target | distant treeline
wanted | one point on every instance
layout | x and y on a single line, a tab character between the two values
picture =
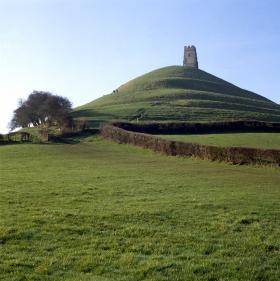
199	128
236	155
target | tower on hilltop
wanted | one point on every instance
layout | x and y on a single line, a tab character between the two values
190	56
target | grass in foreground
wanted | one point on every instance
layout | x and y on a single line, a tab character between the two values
256	140
102	211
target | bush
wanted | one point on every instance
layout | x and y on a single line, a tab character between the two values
193	128
236	155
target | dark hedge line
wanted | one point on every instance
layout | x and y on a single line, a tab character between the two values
44	136
197	128
15	137
236	155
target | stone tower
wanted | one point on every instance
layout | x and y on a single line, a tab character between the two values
190	56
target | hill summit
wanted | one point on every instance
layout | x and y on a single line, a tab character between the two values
179	93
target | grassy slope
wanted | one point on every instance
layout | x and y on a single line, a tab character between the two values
179	93
102	211
258	140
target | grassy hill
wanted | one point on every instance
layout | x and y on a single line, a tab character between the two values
96	210
179	93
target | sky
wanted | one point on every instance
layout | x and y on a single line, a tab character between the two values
84	49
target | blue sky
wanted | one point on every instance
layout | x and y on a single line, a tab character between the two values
84	49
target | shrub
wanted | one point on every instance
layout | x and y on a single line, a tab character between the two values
236	155
192	127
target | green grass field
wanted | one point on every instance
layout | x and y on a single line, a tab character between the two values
96	210
256	140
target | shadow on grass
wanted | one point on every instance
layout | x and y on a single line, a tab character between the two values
91	113
73	137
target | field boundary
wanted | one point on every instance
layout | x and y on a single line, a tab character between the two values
199	127
235	155
43	136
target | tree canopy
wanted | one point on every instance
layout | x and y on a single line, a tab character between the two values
42	108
